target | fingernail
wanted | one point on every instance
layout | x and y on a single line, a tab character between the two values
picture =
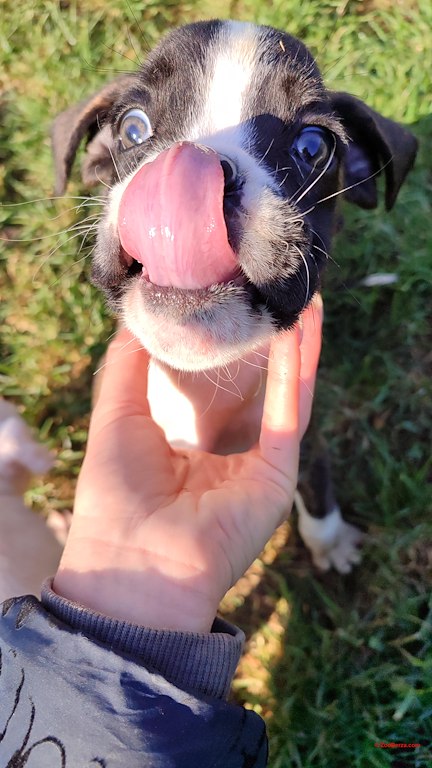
300	329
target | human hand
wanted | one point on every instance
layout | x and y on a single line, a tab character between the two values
159	535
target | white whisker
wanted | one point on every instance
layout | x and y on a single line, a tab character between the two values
307	274
253	365
105	364
346	189
219	386
320	175
51	254
73	228
114	163
261	160
260	354
213	397
101	181
67	271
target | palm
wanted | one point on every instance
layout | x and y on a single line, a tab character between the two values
208	515
162	534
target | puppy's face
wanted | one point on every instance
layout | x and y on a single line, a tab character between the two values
214	233
228	154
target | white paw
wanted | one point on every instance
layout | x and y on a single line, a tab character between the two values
340	553
332	541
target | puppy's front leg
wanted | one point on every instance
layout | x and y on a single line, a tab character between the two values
333	543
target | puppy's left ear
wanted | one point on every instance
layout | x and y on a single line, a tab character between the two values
83	121
376	145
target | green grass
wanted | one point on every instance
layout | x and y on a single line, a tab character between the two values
334	663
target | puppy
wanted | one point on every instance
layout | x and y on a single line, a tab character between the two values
28	548
225	156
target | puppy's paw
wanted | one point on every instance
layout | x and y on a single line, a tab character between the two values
341	553
331	541
19	448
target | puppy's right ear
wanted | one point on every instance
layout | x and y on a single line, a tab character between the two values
85	119
376	145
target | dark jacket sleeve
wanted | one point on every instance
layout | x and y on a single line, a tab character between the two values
91	691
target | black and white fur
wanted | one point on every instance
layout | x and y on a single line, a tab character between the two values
289	146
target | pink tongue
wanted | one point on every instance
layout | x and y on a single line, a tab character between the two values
171	219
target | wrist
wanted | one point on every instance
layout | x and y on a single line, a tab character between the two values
125	585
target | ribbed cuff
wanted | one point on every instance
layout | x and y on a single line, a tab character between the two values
204	663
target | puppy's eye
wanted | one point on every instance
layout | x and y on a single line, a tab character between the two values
135	128
314	146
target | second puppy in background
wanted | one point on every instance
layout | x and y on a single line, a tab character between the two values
225	155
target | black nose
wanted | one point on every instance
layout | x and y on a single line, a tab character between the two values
230	174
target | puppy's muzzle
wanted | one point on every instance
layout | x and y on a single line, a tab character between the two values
173	216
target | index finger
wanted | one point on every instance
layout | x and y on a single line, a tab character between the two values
293	362
279	439
311	323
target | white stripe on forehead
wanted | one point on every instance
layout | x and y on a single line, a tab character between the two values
231	66
234	65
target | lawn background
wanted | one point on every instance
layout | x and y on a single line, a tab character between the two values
333	663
